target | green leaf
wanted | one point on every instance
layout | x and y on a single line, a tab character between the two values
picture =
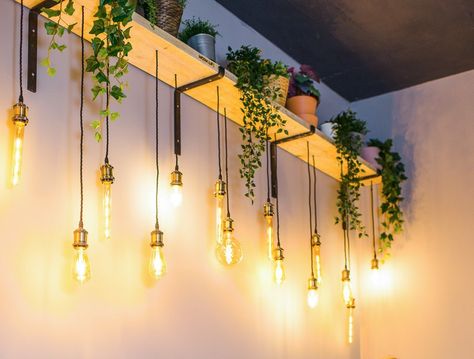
98	27
50	12
60	31
95	124
51	27
114	116
98	136
45	62
51	71
69	9
71	27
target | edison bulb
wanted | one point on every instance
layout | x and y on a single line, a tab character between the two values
313	297
279	271
176	195
347	291
350	324
17	151
107	203
317	263
81	268
157	265
219	196
229	251
269	236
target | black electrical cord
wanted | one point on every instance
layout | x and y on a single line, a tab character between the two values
156	140
268	156
176	166
20	98
226	163
373	220
310	212
81	110
315	199
107	103
218	134
277	201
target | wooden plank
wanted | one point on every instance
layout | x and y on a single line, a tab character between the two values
178	58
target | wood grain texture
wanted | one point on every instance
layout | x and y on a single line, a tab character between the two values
175	57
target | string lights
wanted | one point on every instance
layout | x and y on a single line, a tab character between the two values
278	267
229	252
81	266
268	211
20	116
176	177
157	265
220	186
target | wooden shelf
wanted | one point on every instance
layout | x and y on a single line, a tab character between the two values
178	58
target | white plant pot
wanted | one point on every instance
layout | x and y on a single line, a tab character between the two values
328	129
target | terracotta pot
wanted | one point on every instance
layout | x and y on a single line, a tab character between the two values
328	129
302	104
309	118
282	84
370	154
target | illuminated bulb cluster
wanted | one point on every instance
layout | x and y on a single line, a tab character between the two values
157	265
107	178
219	194
229	251
176	196
268	213
20	120
81	267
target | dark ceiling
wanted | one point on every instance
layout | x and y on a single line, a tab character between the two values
364	48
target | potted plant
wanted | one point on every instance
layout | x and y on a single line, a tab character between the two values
201	36
370	154
303	97
279	81
348	140
260	117
166	14
393	174
328	129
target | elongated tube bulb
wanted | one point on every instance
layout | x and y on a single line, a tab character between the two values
81	267
157	265
176	195
313	298
346	287
219	193
107	202
269	236
317	263
350	325
17	152
279	271
229	251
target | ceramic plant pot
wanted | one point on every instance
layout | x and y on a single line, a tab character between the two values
328	129
204	44
370	154
282	84
311	119
302	104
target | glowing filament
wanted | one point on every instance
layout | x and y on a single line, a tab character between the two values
107	208
350	324
157	266
269	236
278	271
219	205
317	262
347	292
81	268
229	251
17	152
313	298
176	195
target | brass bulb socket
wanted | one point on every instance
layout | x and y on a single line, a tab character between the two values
268	209
20	113
374	264
312	283
220	188
228	225
278	254
346	275
107	173
80	238
316	239
351	304
156	238
176	178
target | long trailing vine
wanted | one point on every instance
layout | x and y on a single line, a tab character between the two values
259	114
348	132
393	174
55	27
108	62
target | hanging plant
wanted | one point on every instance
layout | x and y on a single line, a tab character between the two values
348	138
393	174
110	46
56	28
259	115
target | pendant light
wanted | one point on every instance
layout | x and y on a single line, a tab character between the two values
316	238
313	295
220	186
229	251
157	265
176	177
20	116
375	262
81	267
268	210
278	267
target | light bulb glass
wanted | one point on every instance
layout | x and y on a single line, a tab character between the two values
17	151
176	195
81	267
313	297
219	220
317	263
107	203
350	325
278	271
269	236
229	251
157	265
347	291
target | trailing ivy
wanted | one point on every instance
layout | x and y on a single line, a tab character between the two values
111	46
393	174
55	27
348	138
259	114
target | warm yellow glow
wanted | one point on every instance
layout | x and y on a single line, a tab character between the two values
107	208
219	220
81	268
176	195
350	325
157	265
278	271
17	152
313	297
269	236
229	251
347	291
317	263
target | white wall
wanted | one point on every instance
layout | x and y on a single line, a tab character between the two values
426	309
199	310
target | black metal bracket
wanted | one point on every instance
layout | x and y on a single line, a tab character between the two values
365	178
274	158
33	41
177	104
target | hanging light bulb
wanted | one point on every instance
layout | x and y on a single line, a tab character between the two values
278	267
346	287
81	267
107	178
176	188
268	214
219	193
157	266
317	256
313	295
229	251
20	120
350	320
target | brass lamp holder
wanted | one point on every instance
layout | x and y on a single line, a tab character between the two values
374	263
351	304
268	209
312	283
346	275
315	239
220	188
228	225
278	254
107	173
80	238
20	113
176	178
156	238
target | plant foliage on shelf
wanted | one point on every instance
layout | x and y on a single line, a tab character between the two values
111	46
259	115
393	174
55	27
196	26
348	138
151	10
302	82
